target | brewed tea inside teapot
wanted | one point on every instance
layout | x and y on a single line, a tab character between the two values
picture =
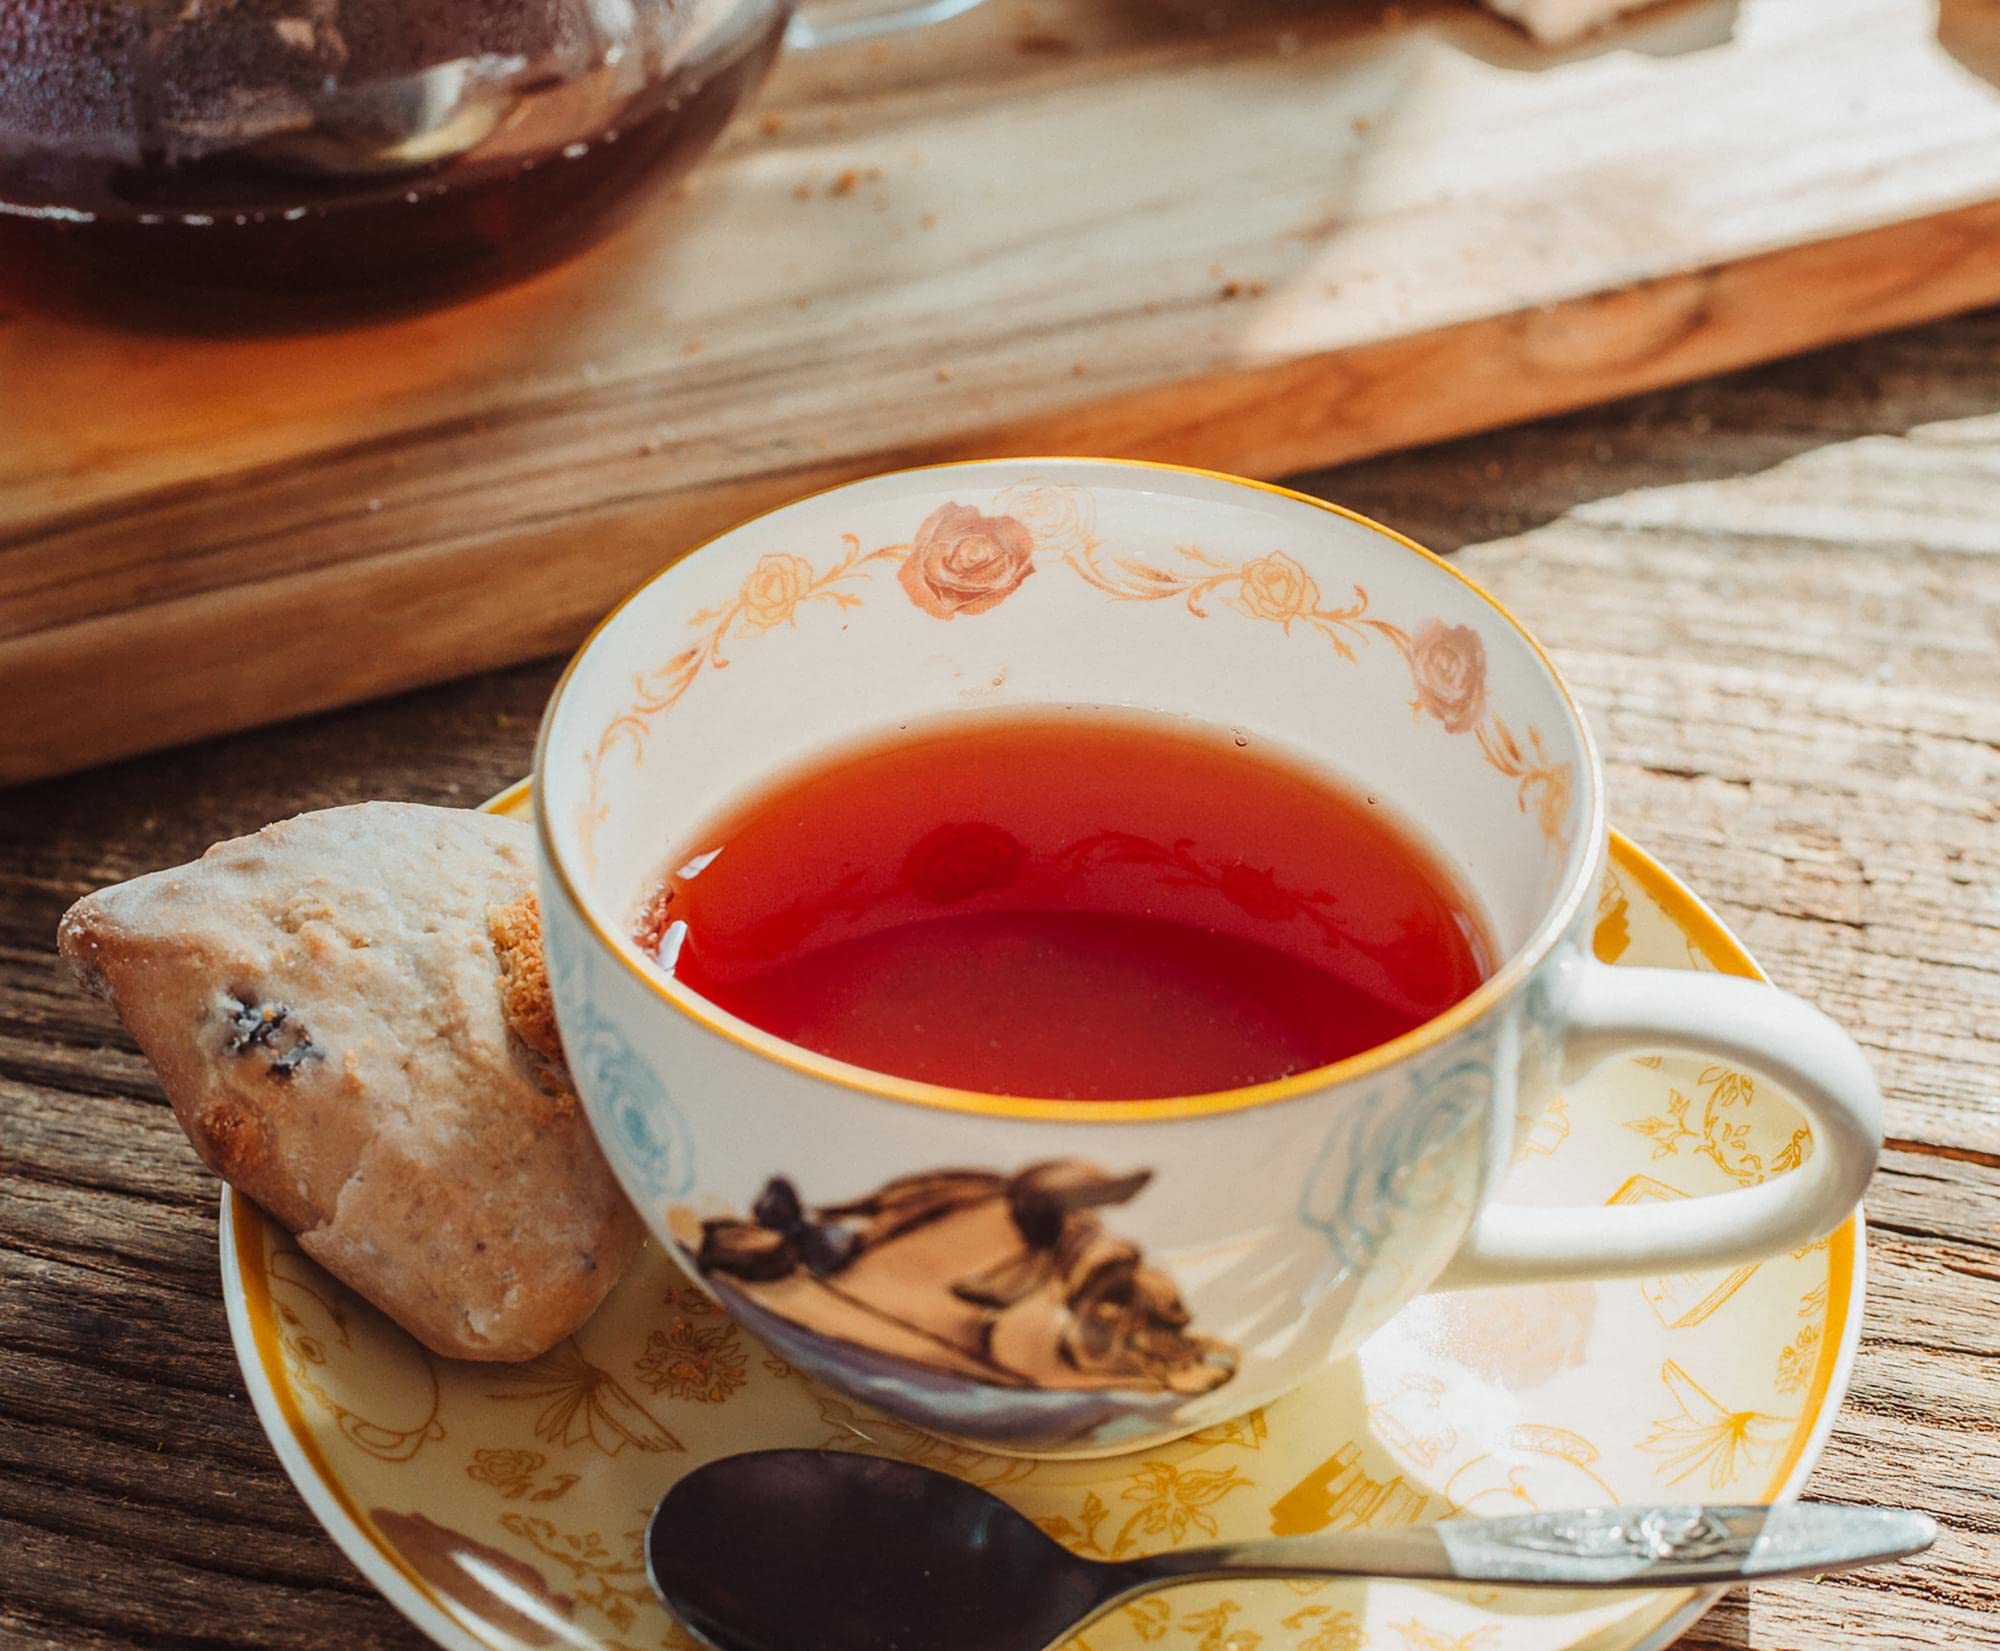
283	152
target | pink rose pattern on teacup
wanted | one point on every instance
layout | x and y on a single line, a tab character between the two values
1448	667
962	562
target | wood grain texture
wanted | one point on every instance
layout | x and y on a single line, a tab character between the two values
1260	236
1779	598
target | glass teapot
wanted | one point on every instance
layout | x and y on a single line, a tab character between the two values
285	153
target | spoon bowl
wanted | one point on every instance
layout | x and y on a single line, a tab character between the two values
783	1550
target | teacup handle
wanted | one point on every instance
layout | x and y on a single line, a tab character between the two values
1756	1027
802	34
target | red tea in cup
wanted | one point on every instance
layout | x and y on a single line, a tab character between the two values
1088	905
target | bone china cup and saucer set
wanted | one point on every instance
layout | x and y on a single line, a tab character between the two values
1566	1242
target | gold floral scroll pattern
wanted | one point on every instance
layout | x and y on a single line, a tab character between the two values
1800	1356
609	1581
1173	1504
699	1357
1079	1535
513	1472
306	1353
868	1434
1724	1135
1326	1629
1705	1436
772	593
963	563
1212	1627
1150	1619
1084	1532
1447	663
583	1403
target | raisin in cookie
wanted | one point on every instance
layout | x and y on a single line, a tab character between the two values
348	1012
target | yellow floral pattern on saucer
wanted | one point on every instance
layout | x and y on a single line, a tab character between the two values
504	1506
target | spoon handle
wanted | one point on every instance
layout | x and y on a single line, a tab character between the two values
1630	1547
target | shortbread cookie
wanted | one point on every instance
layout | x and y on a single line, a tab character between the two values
332	1007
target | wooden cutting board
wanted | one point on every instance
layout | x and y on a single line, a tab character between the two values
1258	235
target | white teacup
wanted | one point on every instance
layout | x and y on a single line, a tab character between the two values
1287	1220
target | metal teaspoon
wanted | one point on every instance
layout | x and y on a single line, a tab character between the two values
807	1550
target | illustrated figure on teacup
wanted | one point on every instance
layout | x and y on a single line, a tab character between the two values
1011	1282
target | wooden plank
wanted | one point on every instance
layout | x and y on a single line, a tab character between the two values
1256	237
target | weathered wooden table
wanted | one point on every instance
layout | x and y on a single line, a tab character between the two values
1777	594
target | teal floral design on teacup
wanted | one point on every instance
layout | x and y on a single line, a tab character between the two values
650	1140
1375	1164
